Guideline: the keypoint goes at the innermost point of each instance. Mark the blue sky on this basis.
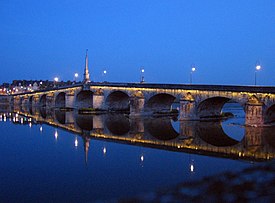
(224, 39)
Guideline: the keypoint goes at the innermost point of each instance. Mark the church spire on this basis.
(86, 70)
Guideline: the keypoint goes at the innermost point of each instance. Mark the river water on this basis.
(50, 156)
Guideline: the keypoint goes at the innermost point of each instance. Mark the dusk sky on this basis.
(223, 39)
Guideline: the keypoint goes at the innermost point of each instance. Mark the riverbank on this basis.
(254, 184)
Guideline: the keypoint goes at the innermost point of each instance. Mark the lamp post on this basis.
(75, 77)
(55, 81)
(257, 68)
(193, 69)
(142, 75)
(104, 75)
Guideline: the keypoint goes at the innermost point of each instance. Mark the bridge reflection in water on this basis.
(206, 138)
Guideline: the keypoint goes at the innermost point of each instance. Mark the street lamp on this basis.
(104, 75)
(257, 68)
(193, 69)
(75, 77)
(55, 81)
(142, 75)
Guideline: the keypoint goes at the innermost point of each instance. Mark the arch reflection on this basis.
(60, 116)
(117, 124)
(212, 133)
(85, 122)
(161, 128)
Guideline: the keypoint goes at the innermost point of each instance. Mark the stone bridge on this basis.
(195, 102)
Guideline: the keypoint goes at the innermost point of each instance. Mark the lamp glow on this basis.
(56, 134)
(76, 142)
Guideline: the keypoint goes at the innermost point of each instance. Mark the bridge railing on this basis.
(231, 88)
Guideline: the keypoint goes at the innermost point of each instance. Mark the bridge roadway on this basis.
(196, 102)
(206, 138)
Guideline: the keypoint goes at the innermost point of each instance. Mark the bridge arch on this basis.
(212, 107)
(118, 101)
(60, 100)
(269, 116)
(43, 100)
(160, 103)
(84, 99)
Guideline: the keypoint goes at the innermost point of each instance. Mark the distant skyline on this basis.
(223, 39)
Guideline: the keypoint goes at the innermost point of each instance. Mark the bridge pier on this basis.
(25, 101)
(137, 104)
(254, 139)
(137, 127)
(50, 100)
(187, 108)
(69, 117)
(70, 99)
(254, 112)
(187, 129)
(98, 122)
(15, 101)
(98, 100)
(35, 101)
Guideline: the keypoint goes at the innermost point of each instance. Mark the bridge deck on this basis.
(231, 88)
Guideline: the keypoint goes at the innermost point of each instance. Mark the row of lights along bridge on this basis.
(31, 87)
(142, 71)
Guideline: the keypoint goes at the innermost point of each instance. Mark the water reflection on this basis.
(212, 133)
(207, 138)
(117, 124)
(161, 128)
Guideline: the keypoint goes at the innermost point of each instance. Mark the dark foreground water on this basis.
(77, 158)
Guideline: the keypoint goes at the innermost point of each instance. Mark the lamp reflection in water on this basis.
(76, 142)
(141, 158)
(104, 150)
(191, 165)
(41, 128)
(56, 134)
